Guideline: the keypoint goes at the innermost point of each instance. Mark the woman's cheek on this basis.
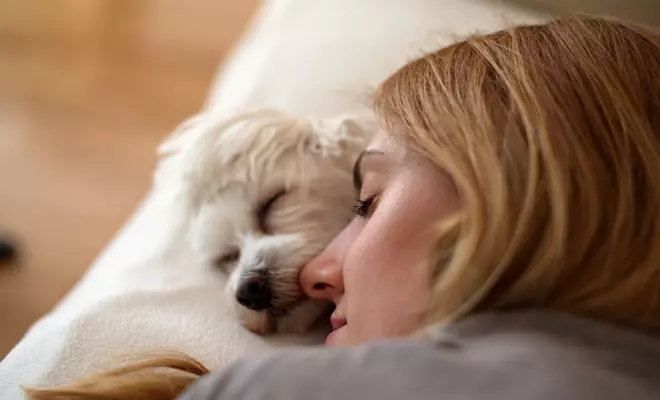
(365, 295)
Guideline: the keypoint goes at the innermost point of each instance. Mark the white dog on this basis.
(267, 192)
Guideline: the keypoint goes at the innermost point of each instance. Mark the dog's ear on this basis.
(314, 143)
(181, 135)
(339, 134)
(353, 131)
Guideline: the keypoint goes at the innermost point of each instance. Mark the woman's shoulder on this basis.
(530, 355)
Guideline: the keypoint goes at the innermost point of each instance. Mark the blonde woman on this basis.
(508, 218)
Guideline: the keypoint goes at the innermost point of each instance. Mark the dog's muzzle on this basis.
(269, 289)
(254, 291)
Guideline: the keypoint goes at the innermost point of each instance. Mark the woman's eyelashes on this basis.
(363, 208)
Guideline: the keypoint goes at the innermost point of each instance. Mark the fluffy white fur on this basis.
(265, 193)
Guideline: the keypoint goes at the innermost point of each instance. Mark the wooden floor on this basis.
(88, 88)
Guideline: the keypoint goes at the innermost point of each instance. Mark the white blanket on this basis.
(307, 57)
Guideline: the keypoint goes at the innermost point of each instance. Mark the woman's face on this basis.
(374, 270)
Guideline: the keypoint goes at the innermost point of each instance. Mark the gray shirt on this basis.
(512, 356)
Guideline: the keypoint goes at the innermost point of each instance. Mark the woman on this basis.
(526, 162)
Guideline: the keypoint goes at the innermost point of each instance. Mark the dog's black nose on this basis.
(253, 292)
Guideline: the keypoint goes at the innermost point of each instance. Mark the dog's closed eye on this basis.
(264, 211)
(226, 260)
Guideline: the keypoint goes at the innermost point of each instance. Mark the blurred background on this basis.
(88, 88)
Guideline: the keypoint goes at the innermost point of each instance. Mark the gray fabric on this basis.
(514, 356)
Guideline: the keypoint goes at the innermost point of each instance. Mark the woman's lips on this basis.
(337, 324)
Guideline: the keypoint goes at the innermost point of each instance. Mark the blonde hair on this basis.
(156, 377)
(551, 134)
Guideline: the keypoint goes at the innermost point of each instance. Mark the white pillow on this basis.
(317, 57)
(325, 57)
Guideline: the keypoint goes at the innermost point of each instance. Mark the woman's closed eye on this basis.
(263, 213)
(364, 208)
(369, 173)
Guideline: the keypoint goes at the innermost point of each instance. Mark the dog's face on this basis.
(269, 193)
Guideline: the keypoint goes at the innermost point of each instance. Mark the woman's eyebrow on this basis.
(357, 170)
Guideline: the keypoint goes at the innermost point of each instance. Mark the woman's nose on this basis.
(322, 277)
